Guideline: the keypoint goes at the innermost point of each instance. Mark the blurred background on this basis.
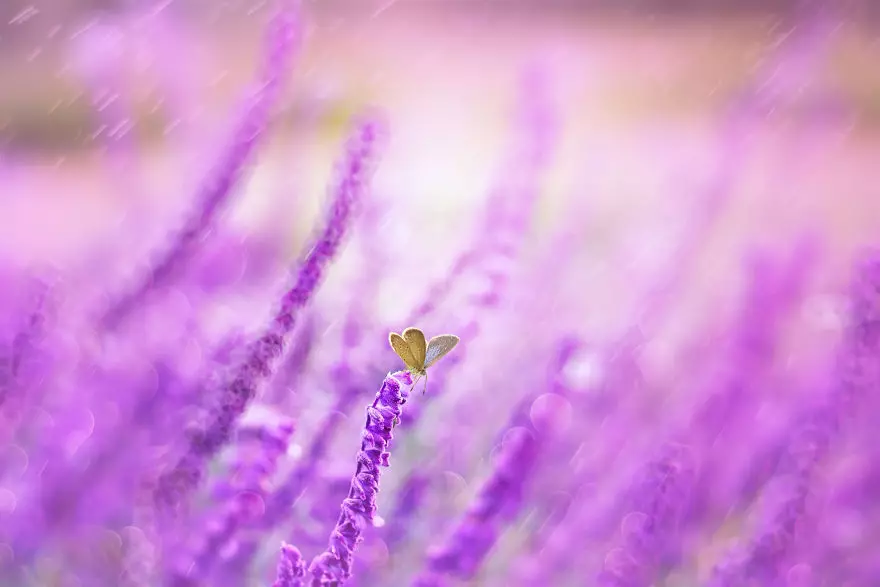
(111, 112)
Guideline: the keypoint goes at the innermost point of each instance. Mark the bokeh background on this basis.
(697, 130)
(641, 88)
(111, 113)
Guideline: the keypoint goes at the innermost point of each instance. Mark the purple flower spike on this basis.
(857, 382)
(291, 567)
(281, 44)
(498, 501)
(858, 368)
(260, 445)
(411, 497)
(333, 566)
(27, 342)
(649, 530)
(353, 175)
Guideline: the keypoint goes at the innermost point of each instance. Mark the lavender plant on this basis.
(146, 445)
(281, 42)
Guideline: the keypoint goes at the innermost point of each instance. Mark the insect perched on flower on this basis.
(419, 355)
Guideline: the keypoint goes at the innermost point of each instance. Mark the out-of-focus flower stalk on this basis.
(757, 324)
(291, 568)
(462, 553)
(282, 41)
(502, 495)
(857, 380)
(16, 375)
(259, 447)
(353, 176)
(648, 532)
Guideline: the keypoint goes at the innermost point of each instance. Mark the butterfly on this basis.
(417, 354)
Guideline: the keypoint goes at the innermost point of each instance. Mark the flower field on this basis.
(656, 239)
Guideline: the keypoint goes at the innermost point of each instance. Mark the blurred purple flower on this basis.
(261, 357)
(259, 447)
(857, 381)
(291, 567)
(648, 530)
(500, 497)
(282, 40)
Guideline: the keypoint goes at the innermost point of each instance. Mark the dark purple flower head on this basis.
(334, 565)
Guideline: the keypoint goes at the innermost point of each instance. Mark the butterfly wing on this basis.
(401, 347)
(438, 347)
(415, 338)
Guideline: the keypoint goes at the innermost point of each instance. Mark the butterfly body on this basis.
(419, 354)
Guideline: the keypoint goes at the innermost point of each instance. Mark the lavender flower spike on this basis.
(291, 567)
(352, 175)
(857, 383)
(333, 566)
(282, 40)
(497, 502)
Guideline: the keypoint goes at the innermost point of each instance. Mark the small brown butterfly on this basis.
(417, 354)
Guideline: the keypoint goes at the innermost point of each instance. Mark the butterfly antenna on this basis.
(425, 387)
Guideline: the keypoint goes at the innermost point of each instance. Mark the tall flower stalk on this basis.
(259, 448)
(282, 40)
(856, 382)
(334, 566)
(353, 176)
